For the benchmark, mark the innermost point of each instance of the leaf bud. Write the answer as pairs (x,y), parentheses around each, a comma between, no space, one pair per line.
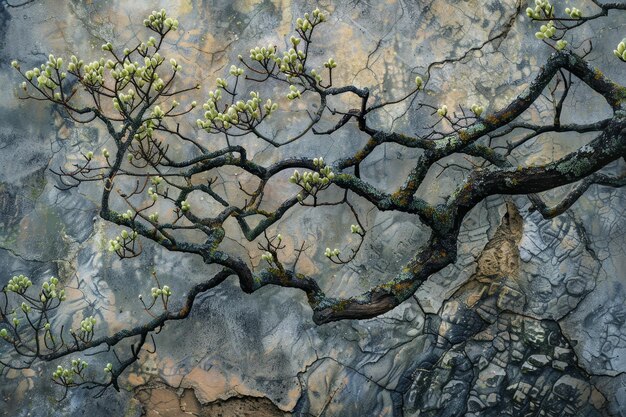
(419,82)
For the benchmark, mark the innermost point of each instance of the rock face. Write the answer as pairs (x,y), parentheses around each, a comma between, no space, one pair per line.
(530,320)
(491,359)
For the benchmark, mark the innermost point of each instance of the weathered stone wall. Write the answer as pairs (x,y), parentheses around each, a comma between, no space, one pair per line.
(531,319)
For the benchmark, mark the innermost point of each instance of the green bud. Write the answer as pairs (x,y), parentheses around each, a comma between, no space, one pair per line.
(419,82)
(477,109)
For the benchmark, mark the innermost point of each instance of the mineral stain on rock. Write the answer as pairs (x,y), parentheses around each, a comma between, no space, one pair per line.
(160,400)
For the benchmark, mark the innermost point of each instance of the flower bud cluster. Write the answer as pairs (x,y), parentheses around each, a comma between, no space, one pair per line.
(262,54)
(124,238)
(65,375)
(294,93)
(546,31)
(45,73)
(185,206)
(235,71)
(49,291)
(221,83)
(233,114)
(620,52)
(158,291)
(78,363)
(561,44)
(94,74)
(330,64)
(87,324)
(154,196)
(75,64)
(175,65)
(126,71)
(442,111)
(157,113)
(4,333)
(305,23)
(574,13)
(108,368)
(543,8)
(267,256)
(128,215)
(329,253)
(159,22)
(313,182)
(316,75)
(477,109)
(19,284)
(293,60)
(124,99)
(145,130)
(355,228)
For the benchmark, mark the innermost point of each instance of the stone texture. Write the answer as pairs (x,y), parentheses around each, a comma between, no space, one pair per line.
(529,321)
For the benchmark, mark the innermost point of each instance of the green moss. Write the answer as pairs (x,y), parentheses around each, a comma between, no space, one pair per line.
(341,305)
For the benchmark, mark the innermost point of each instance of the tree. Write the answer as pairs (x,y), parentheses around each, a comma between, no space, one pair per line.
(153,180)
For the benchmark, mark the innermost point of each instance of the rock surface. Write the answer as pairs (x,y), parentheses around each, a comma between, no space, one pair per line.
(531,319)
